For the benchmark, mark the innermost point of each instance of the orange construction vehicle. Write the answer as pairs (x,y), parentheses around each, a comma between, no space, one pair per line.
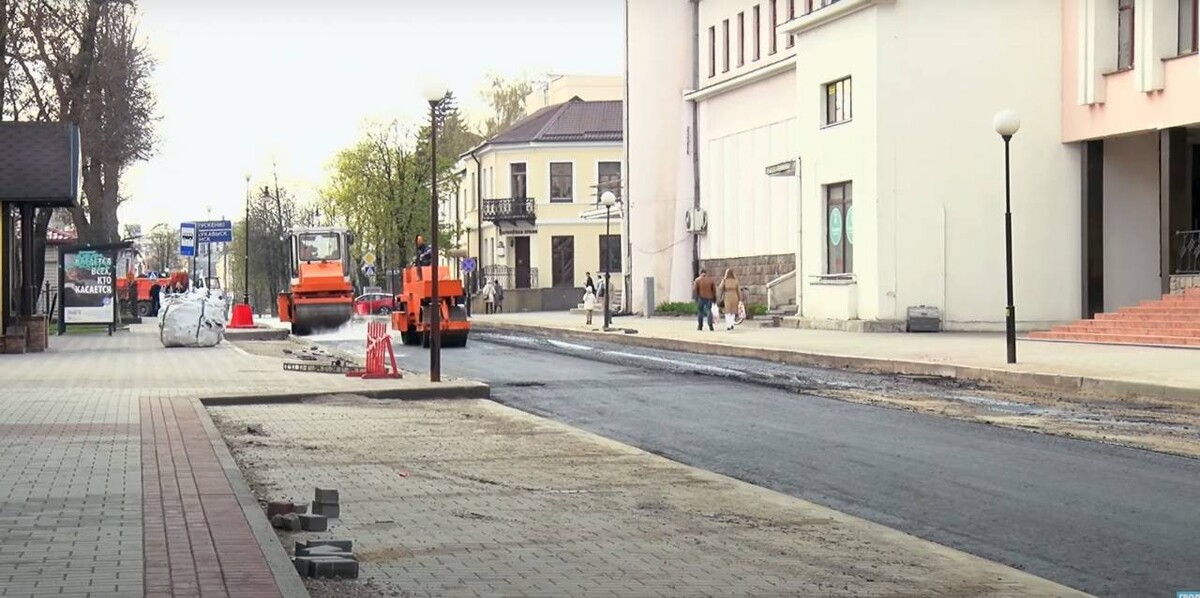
(321,296)
(412,315)
(142,287)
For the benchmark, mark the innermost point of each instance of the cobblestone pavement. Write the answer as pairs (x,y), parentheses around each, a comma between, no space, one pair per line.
(469,498)
(109,482)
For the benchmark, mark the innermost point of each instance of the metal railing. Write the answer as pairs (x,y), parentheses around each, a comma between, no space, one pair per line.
(510,209)
(1189,252)
(777,298)
(510,277)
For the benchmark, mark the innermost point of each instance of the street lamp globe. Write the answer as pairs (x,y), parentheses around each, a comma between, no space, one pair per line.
(434,91)
(608,198)
(1007,123)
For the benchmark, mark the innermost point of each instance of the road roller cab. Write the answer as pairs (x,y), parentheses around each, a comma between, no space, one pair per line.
(321,296)
(412,315)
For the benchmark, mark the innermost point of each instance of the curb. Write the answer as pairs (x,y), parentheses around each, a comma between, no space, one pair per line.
(870,365)
(256,334)
(442,390)
(289,582)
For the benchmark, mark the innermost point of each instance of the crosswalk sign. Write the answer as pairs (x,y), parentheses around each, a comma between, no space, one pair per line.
(368,270)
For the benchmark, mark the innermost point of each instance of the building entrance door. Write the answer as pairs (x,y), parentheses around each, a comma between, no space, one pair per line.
(523,274)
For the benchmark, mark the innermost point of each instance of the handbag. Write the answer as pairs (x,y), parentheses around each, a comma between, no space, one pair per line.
(716,312)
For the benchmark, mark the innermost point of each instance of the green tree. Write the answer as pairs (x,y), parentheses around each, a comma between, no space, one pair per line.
(507,100)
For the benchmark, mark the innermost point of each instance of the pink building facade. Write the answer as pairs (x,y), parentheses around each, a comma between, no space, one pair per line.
(1131,103)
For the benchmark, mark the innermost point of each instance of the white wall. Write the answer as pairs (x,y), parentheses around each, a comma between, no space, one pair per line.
(713,13)
(661,44)
(1131,221)
(945,69)
(844,152)
(742,132)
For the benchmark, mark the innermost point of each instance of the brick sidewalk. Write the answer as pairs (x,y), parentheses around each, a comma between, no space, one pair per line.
(109,482)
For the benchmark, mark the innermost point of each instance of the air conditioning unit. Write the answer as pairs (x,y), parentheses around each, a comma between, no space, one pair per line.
(695,220)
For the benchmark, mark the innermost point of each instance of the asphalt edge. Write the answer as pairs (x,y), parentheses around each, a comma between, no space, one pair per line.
(869,365)
(780,498)
(288,581)
(442,390)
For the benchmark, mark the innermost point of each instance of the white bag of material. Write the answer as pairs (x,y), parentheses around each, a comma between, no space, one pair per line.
(195,319)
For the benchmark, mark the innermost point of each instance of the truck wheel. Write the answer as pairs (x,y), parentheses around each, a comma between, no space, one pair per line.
(144,308)
(410,337)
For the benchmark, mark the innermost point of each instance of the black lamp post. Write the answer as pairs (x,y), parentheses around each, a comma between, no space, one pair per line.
(608,198)
(434,94)
(1007,123)
(246,264)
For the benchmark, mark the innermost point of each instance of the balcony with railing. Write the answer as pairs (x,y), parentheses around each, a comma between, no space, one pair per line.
(512,210)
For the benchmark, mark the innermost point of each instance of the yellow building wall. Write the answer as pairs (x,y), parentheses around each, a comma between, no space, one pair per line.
(553,218)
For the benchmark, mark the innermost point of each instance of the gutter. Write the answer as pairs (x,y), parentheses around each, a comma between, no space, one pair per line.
(695,132)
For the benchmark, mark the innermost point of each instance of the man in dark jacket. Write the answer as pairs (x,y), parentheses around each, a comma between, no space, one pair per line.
(705,290)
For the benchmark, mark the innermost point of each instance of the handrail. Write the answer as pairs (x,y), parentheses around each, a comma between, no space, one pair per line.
(774,283)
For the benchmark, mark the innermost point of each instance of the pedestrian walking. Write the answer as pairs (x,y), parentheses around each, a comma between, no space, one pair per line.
(489,297)
(589,303)
(731,296)
(587,282)
(705,290)
(499,297)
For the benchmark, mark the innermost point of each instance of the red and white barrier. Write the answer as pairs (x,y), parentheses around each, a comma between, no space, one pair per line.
(379,347)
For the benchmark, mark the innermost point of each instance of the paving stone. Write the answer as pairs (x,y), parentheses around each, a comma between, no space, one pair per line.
(330,511)
(287,521)
(326,496)
(280,507)
(313,523)
(324,547)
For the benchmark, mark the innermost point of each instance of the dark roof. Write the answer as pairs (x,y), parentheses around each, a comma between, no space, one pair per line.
(575,120)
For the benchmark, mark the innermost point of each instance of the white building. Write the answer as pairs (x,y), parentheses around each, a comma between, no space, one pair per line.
(881,111)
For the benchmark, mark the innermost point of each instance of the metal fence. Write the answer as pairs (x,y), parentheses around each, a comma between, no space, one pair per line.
(513,208)
(1189,252)
(510,277)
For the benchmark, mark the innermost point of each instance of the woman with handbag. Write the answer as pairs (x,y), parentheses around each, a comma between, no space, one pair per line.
(731,296)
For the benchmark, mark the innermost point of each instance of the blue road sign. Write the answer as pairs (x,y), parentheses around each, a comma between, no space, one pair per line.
(468,264)
(368,270)
(214,231)
(187,239)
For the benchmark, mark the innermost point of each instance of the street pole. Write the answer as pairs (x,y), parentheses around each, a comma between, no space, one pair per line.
(246,244)
(1011,318)
(607,250)
(435,321)
(1007,123)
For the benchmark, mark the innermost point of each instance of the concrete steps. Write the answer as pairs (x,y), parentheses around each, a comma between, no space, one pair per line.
(1173,321)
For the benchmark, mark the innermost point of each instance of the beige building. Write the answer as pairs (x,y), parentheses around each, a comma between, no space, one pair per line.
(528,199)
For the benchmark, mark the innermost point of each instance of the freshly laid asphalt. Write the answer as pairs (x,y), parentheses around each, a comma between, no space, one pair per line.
(1103,519)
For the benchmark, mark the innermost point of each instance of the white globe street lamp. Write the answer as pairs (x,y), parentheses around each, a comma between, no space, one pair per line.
(1007,123)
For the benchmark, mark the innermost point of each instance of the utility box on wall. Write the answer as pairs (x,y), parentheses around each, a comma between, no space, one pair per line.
(923,318)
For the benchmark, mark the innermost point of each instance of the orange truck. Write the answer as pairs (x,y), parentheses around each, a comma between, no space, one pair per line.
(142,285)
(412,314)
(321,296)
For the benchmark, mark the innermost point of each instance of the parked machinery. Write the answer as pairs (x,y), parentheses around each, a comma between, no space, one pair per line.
(321,296)
(413,313)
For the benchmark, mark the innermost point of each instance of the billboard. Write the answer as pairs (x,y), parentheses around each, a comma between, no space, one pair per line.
(87,279)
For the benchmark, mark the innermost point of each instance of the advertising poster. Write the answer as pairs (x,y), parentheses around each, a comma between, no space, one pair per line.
(88,294)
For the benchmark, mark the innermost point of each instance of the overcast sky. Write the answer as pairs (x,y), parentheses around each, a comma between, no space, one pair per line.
(243,82)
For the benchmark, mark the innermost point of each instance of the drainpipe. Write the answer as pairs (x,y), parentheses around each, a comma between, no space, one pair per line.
(627,263)
(695,132)
(478,211)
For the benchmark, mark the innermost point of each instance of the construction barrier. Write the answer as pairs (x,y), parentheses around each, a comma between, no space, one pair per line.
(379,346)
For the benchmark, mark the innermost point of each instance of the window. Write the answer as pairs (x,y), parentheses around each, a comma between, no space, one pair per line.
(712,51)
(608,178)
(517,180)
(839,231)
(757,32)
(1187,26)
(610,253)
(725,58)
(320,247)
(791,15)
(1125,34)
(838,102)
(562,181)
(741,39)
(774,45)
(562,261)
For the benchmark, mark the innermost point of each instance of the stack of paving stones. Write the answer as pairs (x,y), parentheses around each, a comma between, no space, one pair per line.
(286,515)
(326,559)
